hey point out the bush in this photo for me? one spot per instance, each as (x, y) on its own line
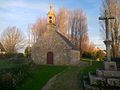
(27, 52)
(6, 82)
(117, 59)
(87, 55)
(100, 55)
(2, 56)
(94, 55)
(9, 55)
(20, 55)
(10, 78)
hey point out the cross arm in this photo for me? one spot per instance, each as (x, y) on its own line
(102, 18)
(111, 18)
(105, 18)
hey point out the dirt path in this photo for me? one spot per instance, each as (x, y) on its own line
(66, 80)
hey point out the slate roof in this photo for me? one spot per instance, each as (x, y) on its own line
(67, 41)
(1, 47)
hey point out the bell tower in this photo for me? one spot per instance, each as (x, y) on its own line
(51, 18)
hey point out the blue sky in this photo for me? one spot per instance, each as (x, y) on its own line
(20, 13)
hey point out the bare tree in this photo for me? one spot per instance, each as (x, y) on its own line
(91, 47)
(12, 39)
(113, 9)
(73, 25)
(37, 29)
(78, 27)
(62, 21)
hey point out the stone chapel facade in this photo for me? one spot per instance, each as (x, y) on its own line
(53, 47)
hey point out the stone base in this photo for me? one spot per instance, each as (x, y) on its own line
(109, 78)
(107, 73)
(110, 65)
(104, 81)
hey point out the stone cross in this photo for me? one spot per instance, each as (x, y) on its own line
(107, 41)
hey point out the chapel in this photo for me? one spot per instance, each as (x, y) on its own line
(53, 47)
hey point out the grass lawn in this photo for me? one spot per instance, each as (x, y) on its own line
(5, 64)
(70, 78)
(39, 77)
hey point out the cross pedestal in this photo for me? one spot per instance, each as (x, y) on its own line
(107, 42)
(108, 65)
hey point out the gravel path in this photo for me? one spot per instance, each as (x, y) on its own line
(66, 80)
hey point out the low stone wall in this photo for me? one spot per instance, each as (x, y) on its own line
(94, 80)
(108, 73)
(113, 82)
(75, 57)
(110, 65)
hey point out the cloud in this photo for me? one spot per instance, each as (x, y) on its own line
(15, 4)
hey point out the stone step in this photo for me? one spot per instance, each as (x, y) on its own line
(108, 73)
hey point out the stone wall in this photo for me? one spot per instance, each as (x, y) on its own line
(75, 57)
(108, 73)
(50, 41)
(104, 81)
(94, 80)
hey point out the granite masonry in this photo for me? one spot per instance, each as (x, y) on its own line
(53, 47)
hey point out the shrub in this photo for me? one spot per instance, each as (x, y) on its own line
(27, 52)
(87, 55)
(9, 55)
(117, 59)
(6, 82)
(2, 56)
(20, 55)
(10, 78)
(100, 55)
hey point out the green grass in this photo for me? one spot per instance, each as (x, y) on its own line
(39, 77)
(72, 78)
(67, 80)
(85, 70)
(5, 64)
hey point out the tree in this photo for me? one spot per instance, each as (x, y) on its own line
(12, 39)
(113, 9)
(78, 27)
(27, 52)
(37, 29)
(73, 25)
(62, 21)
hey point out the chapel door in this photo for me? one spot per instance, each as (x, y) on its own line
(50, 58)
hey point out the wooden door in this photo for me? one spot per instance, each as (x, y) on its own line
(50, 58)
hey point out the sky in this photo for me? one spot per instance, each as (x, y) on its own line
(21, 13)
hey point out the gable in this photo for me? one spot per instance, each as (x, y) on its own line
(51, 39)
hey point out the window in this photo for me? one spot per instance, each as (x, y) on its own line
(50, 17)
(50, 21)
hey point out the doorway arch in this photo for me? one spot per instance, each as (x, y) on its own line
(50, 58)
